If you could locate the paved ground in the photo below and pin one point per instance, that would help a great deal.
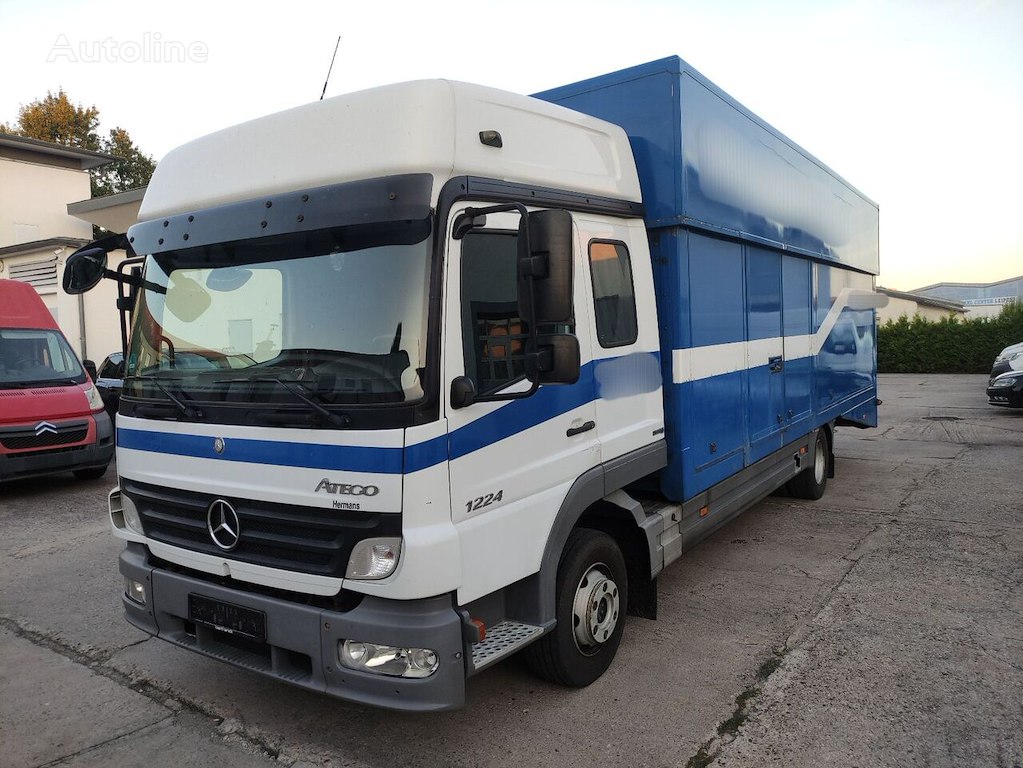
(882, 625)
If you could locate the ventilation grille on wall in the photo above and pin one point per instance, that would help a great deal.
(37, 273)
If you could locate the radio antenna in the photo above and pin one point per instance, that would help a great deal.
(331, 67)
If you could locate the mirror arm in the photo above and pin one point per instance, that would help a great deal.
(500, 398)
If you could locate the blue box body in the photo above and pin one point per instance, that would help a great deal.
(752, 241)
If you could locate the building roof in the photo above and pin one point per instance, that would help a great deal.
(929, 301)
(115, 213)
(969, 285)
(48, 153)
(50, 243)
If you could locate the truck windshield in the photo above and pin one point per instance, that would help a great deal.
(303, 321)
(30, 357)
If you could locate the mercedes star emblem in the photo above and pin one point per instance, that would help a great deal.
(223, 525)
(219, 444)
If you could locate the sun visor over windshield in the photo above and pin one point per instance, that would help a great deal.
(391, 198)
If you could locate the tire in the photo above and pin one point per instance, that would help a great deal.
(812, 481)
(92, 473)
(592, 595)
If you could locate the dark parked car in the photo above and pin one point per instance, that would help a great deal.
(1009, 359)
(109, 381)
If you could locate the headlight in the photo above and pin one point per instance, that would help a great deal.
(124, 508)
(374, 558)
(131, 515)
(387, 659)
(95, 401)
(1005, 381)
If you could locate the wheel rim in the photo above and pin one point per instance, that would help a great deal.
(596, 609)
(819, 460)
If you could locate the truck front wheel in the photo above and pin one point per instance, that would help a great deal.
(592, 594)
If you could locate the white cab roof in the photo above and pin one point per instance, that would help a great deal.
(428, 126)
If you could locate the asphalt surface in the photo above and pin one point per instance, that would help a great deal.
(881, 625)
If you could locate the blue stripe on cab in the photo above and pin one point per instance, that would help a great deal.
(427, 454)
(519, 415)
(308, 455)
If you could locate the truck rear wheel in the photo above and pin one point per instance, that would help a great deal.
(812, 481)
(592, 594)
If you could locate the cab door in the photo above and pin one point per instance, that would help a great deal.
(626, 360)
(511, 461)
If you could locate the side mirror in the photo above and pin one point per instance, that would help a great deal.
(463, 392)
(88, 265)
(84, 269)
(547, 259)
(557, 359)
(90, 368)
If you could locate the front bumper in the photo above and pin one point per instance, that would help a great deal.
(1007, 397)
(62, 459)
(302, 641)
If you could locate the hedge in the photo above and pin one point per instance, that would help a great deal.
(949, 345)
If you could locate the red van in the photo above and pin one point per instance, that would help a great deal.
(51, 416)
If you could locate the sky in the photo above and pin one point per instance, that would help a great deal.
(919, 105)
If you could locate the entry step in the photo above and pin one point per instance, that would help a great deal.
(502, 640)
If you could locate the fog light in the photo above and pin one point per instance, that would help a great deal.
(387, 659)
(135, 590)
(374, 558)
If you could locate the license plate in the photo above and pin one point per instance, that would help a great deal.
(226, 617)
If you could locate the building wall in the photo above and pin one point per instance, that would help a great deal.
(33, 202)
(33, 206)
(897, 307)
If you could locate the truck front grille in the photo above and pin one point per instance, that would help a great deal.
(304, 539)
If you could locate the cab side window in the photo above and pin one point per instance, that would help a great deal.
(614, 300)
(493, 334)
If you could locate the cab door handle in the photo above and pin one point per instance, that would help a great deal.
(580, 429)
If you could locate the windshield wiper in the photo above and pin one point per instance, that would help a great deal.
(186, 410)
(340, 421)
(40, 383)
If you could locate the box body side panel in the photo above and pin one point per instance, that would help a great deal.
(706, 161)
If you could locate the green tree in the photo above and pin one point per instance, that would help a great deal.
(56, 119)
(949, 345)
(132, 170)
